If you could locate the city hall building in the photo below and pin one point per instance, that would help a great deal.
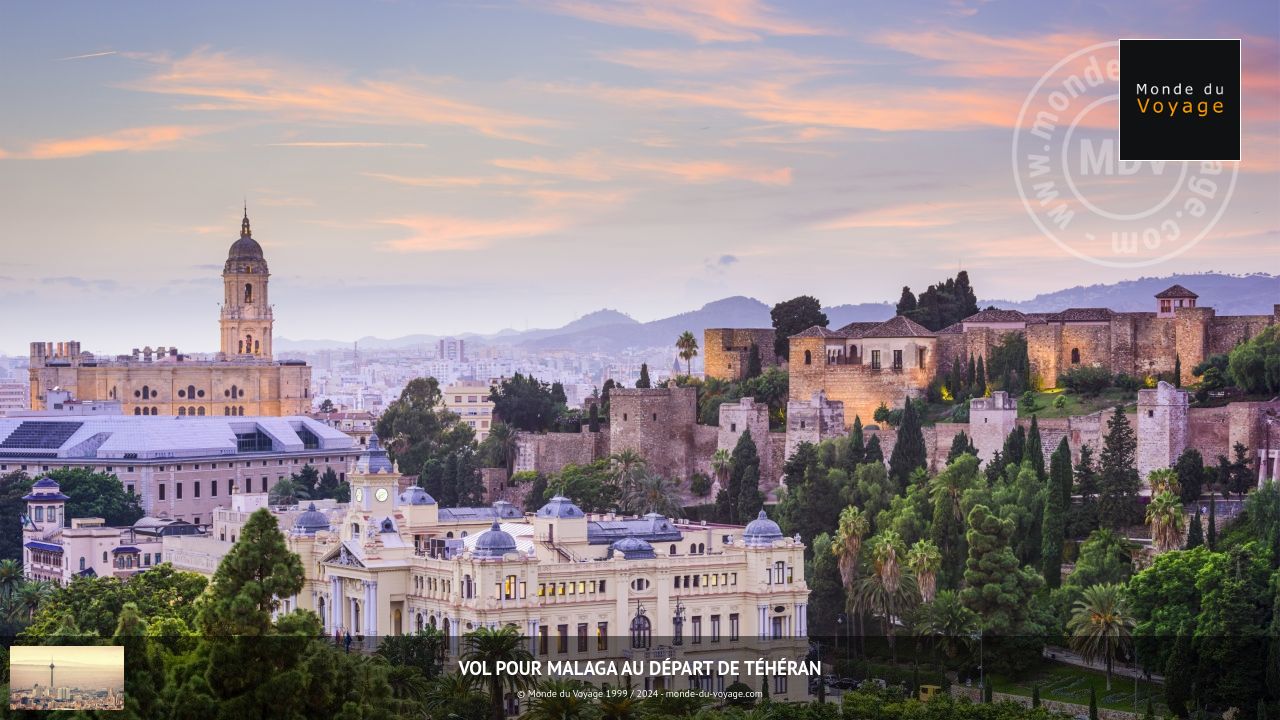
(578, 586)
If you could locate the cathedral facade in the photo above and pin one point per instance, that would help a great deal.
(241, 379)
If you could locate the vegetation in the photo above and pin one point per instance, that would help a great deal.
(794, 316)
(942, 304)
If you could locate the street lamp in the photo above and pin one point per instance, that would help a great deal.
(678, 623)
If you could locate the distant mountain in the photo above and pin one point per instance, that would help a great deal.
(1228, 294)
(611, 330)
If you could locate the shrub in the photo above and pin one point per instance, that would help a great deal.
(1088, 380)
(1128, 382)
(1060, 402)
(700, 485)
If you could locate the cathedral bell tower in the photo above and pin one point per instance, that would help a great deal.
(246, 310)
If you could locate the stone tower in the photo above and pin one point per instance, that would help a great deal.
(1162, 428)
(246, 309)
(991, 419)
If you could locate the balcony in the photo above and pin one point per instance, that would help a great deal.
(661, 652)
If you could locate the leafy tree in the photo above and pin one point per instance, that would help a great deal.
(1190, 469)
(947, 490)
(526, 403)
(1105, 557)
(856, 447)
(416, 428)
(1118, 481)
(644, 381)
(997, 588)
(1101, 626)
(536, 497)
(326, 406)
(1009, 366)
(793, 316)
(909, 452)
(330, 486)
(96, 494)
(1055, 514)
(700, 485)
(687, 344)
(1241, 479)
(13, 486)
(593, 422)
(1254, 365)
(826, 591)
(591, 487)
(1263, 512)
(906, 302)
(1211, 537)
(755, 365)
(308, 479)
(961, 444)
(942, 304)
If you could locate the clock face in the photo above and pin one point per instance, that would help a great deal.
(359, 494)
(381, 494)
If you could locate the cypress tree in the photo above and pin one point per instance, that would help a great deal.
(874, 453)
(1035, 696)
(986, 691)
(980, 378)
(754, 365)
(1118, 481)
(971, 375)
(909, 451)
(1211, 537)
(1177, 371)
(1015, 447)
(956, 382)
(1093, 704)
(1034, 450)
(643, 382)
(1055, 515)
(593, 418)
(960, 445)
(751, 501)
(1195, 533)
(857, 447)
(744, 457)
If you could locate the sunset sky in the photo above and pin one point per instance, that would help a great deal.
(452, 167)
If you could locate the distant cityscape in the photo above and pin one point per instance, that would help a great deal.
(66, 678)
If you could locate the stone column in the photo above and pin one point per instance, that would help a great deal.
(335, 603)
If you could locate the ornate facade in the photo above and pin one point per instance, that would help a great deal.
(241, 379)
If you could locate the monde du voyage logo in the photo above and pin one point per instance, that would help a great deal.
(1180, 100)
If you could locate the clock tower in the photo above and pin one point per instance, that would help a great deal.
(374, 482)
(246, 311)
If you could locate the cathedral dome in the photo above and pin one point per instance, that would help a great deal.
(245, 249)
(761, 532)
(311, 521)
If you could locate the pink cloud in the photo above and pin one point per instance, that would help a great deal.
(594, 166)
(454, 181)
(140, 139)
(301, 94)
(440, 233)
(703, 20)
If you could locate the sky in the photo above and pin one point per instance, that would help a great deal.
(86, 667)
(455, 167)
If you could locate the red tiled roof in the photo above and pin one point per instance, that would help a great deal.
(856, 329)
(817, 331)
(1176, 291)
(899, 327)
(1082, 315)
(991, 315)
(952, 329)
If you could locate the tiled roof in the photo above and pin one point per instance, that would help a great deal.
(899, 327)
(1176, 291)
(1037, 318)
(49, 547)
(1082, 315)
(817, 331)
(856, 329)
(952, 329)
(996, 315)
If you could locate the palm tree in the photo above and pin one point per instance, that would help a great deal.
(29, 597)
(1100, 625)
(688, 346)
(848, 542)
(1167, 520)
(948, 621)
(721, 463)
(888, 591)
(10, 577)
(618, 708)
(626, 465)
(504, 439)
(451, 690)
(652, 493)
(491, 646)
(924, 559)
(1164, 479)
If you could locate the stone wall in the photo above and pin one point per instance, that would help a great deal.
(725, 351)
(813, 421)
(859, 387)
(737, 418)
(548, 453)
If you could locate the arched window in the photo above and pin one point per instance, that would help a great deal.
(200, 411)
(191, 391)
(1075, 356)
(468, 587)
(248, 342)
(240, 348)
(641, 632)
(191, 411)
(702, 548)
(182, 411)
(137, 411)
(104, 556)
(146, 392)
(808, 358)
(82, 563)
(248, 292)
(419, 623)
(673, 550)
(257, 347)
